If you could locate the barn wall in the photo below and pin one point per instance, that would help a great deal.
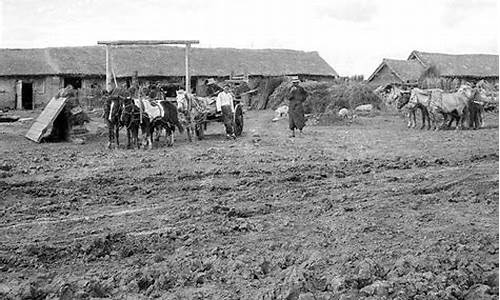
(450, 83)
(161, 80)
(7, 93)
(90, 95)
(52, 86)
(317, 78)
(384, 76)
(44, 88)
(200, 87)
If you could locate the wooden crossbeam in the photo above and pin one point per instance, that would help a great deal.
(149, 42)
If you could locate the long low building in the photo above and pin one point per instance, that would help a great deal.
(30, 77)
(422, 65)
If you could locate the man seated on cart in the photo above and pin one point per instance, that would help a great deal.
(225, 103)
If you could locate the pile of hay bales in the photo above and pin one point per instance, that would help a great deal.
(325, 97)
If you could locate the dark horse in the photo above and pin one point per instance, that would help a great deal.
(112, 112)
(167, 119)
(131, 118)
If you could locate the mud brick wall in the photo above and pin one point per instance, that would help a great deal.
(7, 93)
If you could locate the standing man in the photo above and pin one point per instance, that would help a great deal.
(296, 97)
(225, 103)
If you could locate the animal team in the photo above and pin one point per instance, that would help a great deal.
(463, 105)
(153, 114)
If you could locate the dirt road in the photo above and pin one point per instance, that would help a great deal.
(364, 210)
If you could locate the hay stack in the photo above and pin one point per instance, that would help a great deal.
(277, 98)
(328, 97)
(265, 88)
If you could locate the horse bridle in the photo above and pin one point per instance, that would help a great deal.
(403, 95)
(132, 114)
(113, 100)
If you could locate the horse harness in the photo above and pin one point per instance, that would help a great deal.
(133, 114)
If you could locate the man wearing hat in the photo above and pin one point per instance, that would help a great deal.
(296, 97)
(225, 103)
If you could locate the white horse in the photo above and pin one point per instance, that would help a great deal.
(439, 102)
(192, 112)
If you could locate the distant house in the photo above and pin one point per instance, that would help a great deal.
(396, 71)
(422, 66)
(30, 77)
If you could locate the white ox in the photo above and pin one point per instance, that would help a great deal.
(344, 113)
(280, 113)
(364, 108)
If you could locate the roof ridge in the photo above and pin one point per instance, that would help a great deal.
(160, 61)
(156, 46)
(451, 54)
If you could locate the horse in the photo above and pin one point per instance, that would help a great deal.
(476, 111)
(157, 114)
(421, 98)
(193, 111)
(438, 101)
(458, 102)
(475, 114)
(401, 98)
(112, 113)
(131, 118)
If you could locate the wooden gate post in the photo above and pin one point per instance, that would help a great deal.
(108, 71)
(188, 79)
(19, 94)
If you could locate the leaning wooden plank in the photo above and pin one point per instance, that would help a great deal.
(45, 119)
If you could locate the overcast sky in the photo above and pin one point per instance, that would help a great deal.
(351, 35)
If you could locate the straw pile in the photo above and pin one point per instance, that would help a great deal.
(266, 87)
(326, 97)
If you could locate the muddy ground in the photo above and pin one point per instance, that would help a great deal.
(368, 210)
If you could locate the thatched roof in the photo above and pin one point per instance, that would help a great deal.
(404, 70)
(20, 61)
(161, 61)
(462, 65)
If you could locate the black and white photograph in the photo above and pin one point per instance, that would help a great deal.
(249, 149)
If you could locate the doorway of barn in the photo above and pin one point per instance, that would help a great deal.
(194, 80)
(24, 95)
(27, 95)
(74, 81)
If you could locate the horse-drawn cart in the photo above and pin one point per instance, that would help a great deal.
(194, 116)
(203, 111)
(217, 117)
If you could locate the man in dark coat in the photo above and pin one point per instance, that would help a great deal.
(296, 97)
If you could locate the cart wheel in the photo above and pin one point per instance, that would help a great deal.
(200, 134)
(238, 120)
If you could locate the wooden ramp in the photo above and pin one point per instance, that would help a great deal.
(45, 119)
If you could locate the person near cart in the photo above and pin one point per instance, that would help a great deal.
(225, 104)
